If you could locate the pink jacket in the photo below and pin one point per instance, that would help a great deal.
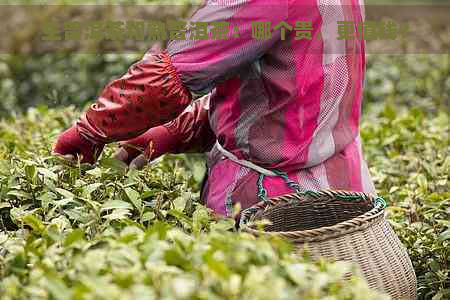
(291, 104)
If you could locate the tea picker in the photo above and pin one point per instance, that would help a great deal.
(287, 104)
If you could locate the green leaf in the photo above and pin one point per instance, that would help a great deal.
(148, 216)
(116, 204)
(297, 272)
(58, 289)
(46, 199)
(96, 172)
(175, 258)
(3, 237)
(65, 193)
(73, 237)
(150, 193)
(33, 222)
(444, 236)
(17, 213)
(223, 225)
(30, 171)
(180, 216)
(219, 267)
(89, 189)
(118, 214)
(184, 287)
(114, 164)
(134, 197)
(180, 202)
(4, 205)
(19, 194)
(198, 171)
(48, 174)
(422, 182)
(200, 219)
(78, 215)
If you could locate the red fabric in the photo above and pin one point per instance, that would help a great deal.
(162, 142)
(191, 128)
(189, 132)
(71, 142)
(148, 95)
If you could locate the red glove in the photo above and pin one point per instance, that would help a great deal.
(70, 144)
(148, 146)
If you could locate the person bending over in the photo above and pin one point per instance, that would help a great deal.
(282, 112)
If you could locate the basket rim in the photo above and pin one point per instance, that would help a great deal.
(358, 223)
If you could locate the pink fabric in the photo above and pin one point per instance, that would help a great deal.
(343, 171)
(289, 104)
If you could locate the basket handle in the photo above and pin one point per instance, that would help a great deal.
(262, 192)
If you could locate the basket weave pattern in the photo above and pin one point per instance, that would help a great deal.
(330, 225)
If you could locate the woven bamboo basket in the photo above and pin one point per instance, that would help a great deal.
(341, 225)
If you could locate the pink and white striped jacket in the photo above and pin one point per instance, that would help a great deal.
(290, 104)
(282, 102)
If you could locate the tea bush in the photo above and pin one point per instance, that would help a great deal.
(410, 163)
(79, 232)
